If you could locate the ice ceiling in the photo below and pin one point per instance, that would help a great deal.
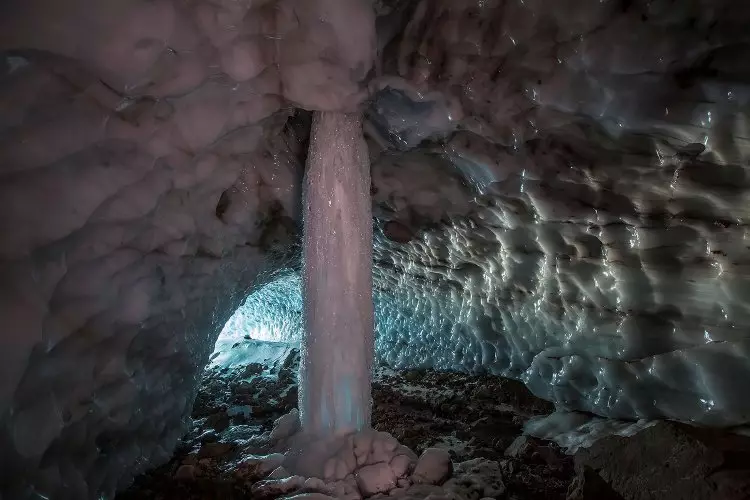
(560, 192)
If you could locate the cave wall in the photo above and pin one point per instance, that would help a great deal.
(560, 192)
(602, 257)
(146, 172)
(119, 266)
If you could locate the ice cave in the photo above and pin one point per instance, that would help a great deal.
(372, 249)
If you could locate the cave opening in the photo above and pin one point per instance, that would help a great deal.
(271, 314)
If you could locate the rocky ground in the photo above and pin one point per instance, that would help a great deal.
(473, 417)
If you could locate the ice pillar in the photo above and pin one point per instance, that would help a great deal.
(337, 346)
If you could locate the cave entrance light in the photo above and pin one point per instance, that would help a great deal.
(267, 324)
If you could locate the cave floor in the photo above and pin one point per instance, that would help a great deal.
(471, 416)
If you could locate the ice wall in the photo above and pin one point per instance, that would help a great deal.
(145, 174)
(602, 257)
(337, 345)
(578, 219)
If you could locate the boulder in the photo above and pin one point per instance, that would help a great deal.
(433, 467)
(669, 461)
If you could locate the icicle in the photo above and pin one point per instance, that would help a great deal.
(337, 345)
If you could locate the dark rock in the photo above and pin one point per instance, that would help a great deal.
(214, 450)
(253, 369)
(483, 392)
(208, 437)
(433, 467)
(185, 472)
(218, 421)
(244, 387)
(588, 485)
(669, 461)
(522, 447)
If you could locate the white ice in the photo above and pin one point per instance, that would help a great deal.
(337, 346)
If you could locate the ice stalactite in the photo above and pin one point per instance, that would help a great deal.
(337, 347)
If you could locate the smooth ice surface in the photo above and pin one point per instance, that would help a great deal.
(337, 346)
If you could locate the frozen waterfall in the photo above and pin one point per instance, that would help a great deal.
(337, 346)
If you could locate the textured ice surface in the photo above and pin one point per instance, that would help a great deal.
(343, 464)
(144, 176)
(270, 313)
(603, 260)
(573, 430)
(337, 345)
(591, 236)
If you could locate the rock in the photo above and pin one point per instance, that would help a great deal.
(244, 410)
(252, 369)
(315, 484)
(483, 392)
(670, 460)
(218, 421)
(423, 490)
(521, 447)
(310, 496)
(208, 437)
(263, 465)
(588, 485)
(185, 472)
(279, 473)
(433, 467)
(214, 450)
(244, 387)
(376, 478)
(362, 444)
(272, 488)
(400, 465)
(477, 478)
(285, 425)
(405, 450)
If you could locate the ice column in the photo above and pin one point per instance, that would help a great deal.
(337, 346)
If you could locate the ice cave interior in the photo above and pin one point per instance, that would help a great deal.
(417, 249)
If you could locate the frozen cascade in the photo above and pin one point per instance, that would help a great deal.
(337, 346)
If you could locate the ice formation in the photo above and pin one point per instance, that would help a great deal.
(365, 464)
(337, 346)
(574, 214)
